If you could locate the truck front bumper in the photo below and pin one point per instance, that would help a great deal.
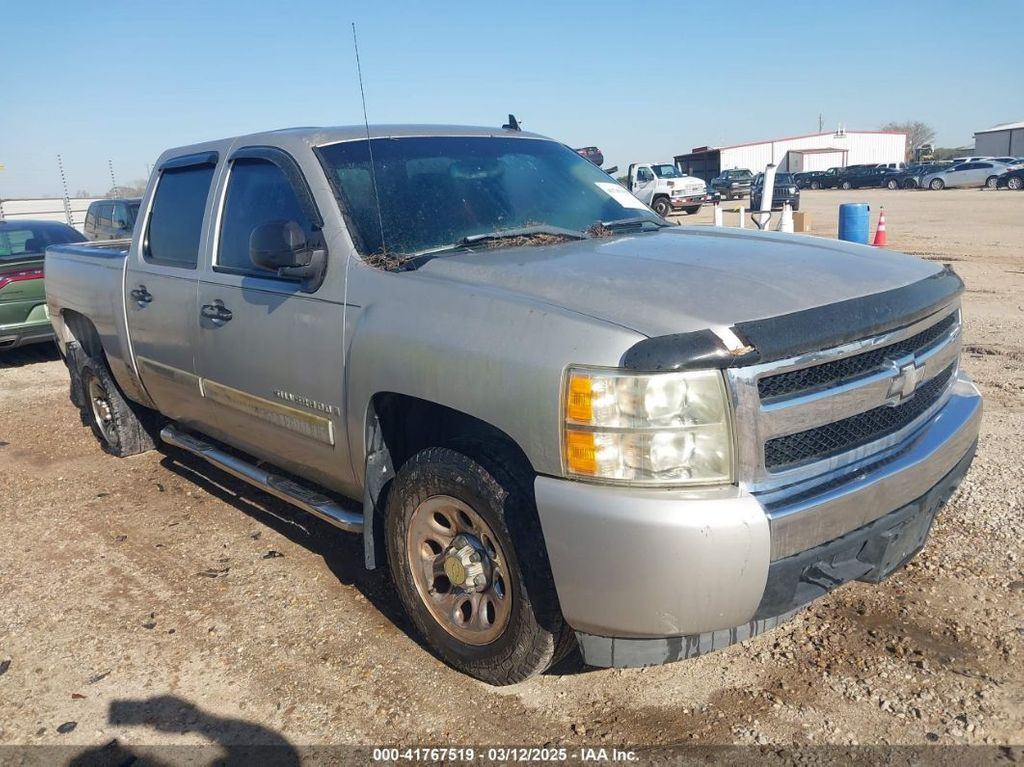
(651, 576)
(687, 201)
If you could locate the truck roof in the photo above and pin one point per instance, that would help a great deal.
(324, 135)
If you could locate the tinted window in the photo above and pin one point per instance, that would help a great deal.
(258, 193)
(22, 240)
(643, 174)
(176, 221)
(103, 214)
(983, 165)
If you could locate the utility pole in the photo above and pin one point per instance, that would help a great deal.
(67, 199)
(1, 196)
(821, 123)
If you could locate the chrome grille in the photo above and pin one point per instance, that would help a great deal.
(848, 368)
(806, 418)
(834, 438)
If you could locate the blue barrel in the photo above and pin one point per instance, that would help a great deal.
(854, 222)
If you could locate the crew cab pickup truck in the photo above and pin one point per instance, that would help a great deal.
(561, 420)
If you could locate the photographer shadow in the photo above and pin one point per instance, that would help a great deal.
(238, 742)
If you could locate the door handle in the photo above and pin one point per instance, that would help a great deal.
(216, 312)
(141, 296)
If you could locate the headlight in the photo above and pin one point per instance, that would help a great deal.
(792, 190)
(652, 428)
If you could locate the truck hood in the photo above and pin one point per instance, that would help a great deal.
(684, 279)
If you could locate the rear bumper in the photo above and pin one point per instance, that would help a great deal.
(647, 577)
(24, 333)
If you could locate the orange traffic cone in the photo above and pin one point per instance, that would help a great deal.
(880, 231)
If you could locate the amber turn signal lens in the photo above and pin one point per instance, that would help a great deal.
(580, 406)
(581, 452)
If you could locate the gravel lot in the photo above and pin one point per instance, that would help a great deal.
(155, 600)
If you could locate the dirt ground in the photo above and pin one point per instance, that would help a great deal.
(155, 600)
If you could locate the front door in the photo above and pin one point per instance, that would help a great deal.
(644, 182)
(161, 283)
(270, 355)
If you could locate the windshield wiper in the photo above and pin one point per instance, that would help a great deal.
(525, 231)
(629, 223)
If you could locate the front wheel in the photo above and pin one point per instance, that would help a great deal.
(937, 184)
(1015, 182)
(662, 206)
(893, 184)
(991, 181)
(468, 561)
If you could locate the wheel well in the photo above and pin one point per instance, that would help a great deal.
(82, 330)
(410, 424)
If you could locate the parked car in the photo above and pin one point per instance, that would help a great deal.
(826, 179)
(809, 179)
(732, 184)
(593, 154)
(1012, 179)
(910, 178)
(112, 219)
(860, 177)
(666, 188)
(966, 175)
(786, 190)
(562, 421)
(23, 316)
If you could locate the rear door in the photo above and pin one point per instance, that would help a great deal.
(161, 282)
(270, 355)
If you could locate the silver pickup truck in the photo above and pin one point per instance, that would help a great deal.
(559, 420)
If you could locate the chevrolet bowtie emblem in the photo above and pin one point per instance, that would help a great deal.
(904, 382)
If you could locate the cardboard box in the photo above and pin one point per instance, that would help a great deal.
(801, 221)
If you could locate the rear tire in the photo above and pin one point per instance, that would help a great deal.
(815, 185)
(937, 184)
(692, 209)
(847, 185)
(662, 206)
(121, 427)
(991, 181)
(485, 495)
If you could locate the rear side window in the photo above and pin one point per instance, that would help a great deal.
(258, 193)
(176, 221)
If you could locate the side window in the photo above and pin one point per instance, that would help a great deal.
(644, 175)
(258, 193)
(120, 216)
(176, 221)
(90, 217)
(984, 165)
(103, 215)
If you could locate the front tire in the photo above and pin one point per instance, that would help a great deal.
(662, 206)
(893, 184)
(1015, 183)
(937, 184)
(468, 562)
(121, 427)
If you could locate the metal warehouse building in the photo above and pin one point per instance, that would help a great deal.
(1000, 140)
(814, 151)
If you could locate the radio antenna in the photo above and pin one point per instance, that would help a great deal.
(369, 144)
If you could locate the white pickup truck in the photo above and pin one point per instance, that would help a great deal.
(666, 188)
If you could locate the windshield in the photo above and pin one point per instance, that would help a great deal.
(436, 191)
(667, 171)
(783, 178)
(739, 174)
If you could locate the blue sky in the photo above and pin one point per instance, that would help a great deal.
(122, 80)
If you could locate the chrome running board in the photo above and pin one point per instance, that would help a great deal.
(281, 487)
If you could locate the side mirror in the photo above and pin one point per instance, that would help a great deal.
(281, 246)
